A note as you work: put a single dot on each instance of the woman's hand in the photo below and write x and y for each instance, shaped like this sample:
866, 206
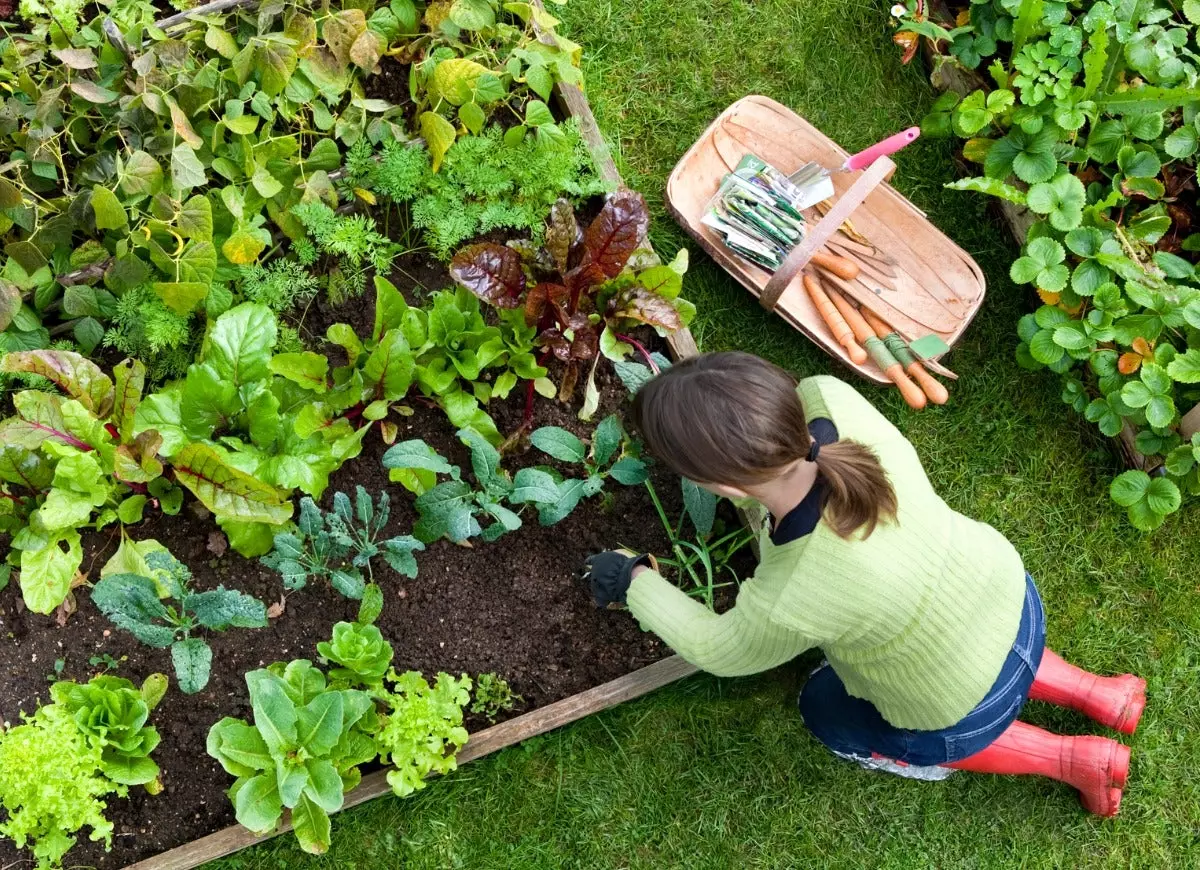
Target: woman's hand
611, 572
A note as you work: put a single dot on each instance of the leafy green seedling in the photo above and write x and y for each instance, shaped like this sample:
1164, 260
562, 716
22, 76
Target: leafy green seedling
112, 713
132, 602
337, 546
452, 509
556, 496
302, 752
358, 648
492, 696
1147, 500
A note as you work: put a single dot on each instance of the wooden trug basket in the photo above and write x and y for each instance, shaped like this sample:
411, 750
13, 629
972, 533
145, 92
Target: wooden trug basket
938, 287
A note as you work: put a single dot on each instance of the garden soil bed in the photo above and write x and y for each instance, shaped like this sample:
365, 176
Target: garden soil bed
515, 607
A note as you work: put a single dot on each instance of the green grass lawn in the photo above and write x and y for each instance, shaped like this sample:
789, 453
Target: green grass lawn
721, 773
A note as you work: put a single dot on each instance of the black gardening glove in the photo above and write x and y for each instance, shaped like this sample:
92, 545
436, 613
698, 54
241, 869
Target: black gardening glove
610, 574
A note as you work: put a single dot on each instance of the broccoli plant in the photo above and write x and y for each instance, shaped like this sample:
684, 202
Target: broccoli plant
302, 751
132, 602
556, 496
338, 545
111, 714
453, 509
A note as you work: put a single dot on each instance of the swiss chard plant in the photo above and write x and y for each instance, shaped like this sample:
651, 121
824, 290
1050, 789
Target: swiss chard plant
234, 429
1093, 123
302, 751
160, 609
607, 457
339, 545
113, 715
579, 290
71, 460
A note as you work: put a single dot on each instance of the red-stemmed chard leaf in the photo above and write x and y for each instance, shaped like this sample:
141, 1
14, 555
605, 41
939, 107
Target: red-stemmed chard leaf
562, 234
546, 304
490, 271
651, 309
616, 232
74, 374
580, 282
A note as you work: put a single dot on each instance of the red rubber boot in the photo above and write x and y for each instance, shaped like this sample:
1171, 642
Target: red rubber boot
1096, 766
1117, 702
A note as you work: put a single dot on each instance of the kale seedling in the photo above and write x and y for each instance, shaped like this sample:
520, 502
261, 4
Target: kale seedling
337, 545
556, 496
132, 602
452, 509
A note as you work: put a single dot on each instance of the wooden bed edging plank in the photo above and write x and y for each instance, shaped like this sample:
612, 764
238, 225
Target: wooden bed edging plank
510, 733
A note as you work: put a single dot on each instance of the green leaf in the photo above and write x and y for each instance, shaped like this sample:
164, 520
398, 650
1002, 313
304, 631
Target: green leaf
472, 14
46, 574
537, 113
1185, 368
319, 724
991, 186
193, 664
606, 439
388, 372
275, 714
701, 507
417, 454
226, 491
257, 804
371, 606
533, 485
221, 42
1162, 496
485, 459
472, 117
629, 471
186, 169
1129, 487
276, 63
110, 214
239, 346
445, 511
309, 370
559, 443
1027, 23
74, 374
311, 825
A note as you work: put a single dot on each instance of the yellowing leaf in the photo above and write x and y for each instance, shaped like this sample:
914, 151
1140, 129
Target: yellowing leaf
454, 80
1048, 297
439, 136
110, 215
243, 247
365, 195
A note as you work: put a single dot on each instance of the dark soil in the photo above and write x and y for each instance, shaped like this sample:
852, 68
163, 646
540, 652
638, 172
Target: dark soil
515, 608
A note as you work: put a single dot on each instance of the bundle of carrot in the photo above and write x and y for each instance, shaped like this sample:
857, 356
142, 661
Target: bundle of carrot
864, 334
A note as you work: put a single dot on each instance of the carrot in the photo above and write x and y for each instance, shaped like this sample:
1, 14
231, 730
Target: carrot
842, 333
844, 268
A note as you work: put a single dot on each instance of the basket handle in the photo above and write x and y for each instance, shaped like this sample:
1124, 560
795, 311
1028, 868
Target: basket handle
821, 231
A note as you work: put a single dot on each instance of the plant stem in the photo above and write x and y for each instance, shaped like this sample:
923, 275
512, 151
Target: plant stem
640, 348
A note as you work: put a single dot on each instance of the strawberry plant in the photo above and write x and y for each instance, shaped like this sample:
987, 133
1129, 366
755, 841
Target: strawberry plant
135, 603
1094, 124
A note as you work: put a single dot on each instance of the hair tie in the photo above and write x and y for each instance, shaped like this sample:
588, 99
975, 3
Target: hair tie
814, 450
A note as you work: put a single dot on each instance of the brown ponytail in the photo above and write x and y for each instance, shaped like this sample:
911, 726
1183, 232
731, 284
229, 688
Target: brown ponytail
735, 419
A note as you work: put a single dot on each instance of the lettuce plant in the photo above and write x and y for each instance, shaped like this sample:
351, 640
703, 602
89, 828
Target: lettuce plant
73, 461
420, 728
302, 751
358, 649
112, 715
51, 786
445, 351
132, 602
337, 546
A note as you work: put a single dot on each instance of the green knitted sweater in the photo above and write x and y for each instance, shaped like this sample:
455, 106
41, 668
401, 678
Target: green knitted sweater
917, 619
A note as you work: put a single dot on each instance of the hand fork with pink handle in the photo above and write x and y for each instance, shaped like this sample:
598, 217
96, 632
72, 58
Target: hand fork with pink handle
814, 173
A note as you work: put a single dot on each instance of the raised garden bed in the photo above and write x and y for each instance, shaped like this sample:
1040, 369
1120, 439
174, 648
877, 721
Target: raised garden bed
513, 608
1082, 123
